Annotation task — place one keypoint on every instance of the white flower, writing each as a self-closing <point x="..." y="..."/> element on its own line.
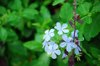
<point x="77" y="49"/>
<point x="48" y="34"/>
<point x="68" y="43"/>
<point x="61" y="28"/>
<point x="76" y="33"/>
<point x="53" y="50"/>
<point x="45" y="43"/>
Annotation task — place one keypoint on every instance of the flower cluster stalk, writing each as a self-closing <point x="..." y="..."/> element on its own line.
<point x="71" y="61"/>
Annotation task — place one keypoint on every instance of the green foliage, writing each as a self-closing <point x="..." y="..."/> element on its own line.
<point x="16" y="48"/>
<point x="29" y="13"/>
<point x="3" y="10"/>
<point x="84" y="8"/>
<point x="57" y="2"/>
<point x="22" y="25"/>
<point x="87" y="19"/>
<point x="66" y="12"/>
<point x="32" y="45"/>
<point x="42" y="60"/>
<point x="3" y="34"/>
<point x="15" y="5"/>
<point x="91" y="30"/>
<point x="96" y="7"/>
<point x="45" y="14"/>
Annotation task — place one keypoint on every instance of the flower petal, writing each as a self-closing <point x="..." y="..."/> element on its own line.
<point x="44" y="36"/>
<point x="65" y="38"/>
<point x="76" y="51"/>
<point x="50" y="47"/>
<point x="58" y="52"/>
<point x="52" y="30"/>
<point x="73" y="45"/>
<point x="60" y="32"/>
<point x="65" y="30"/>
<point x="44" y="43"/>
<point x="47" y="38"/>
<point x="76" y="33"/>
<point x="58" y="26"/>
<point x="51" y="43"/>
<point x="68" y="48"/>
<point x="78" y="48"/>
<point x="47" y="50"/>
<point x="63" y="44"/>
<point x="64" y="26"/>
<point x="55" y="46"/>
<point x="47" y="31"/>
<point x="51" y="34"/>
<point x="54" y="56"/>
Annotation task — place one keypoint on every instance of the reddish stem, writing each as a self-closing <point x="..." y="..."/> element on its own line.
<point x="71" y="58"/>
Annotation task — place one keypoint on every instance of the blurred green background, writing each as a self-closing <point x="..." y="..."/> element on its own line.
<point x="23" y="22"/>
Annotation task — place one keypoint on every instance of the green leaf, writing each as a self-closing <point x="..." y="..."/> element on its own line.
<point x="25" y="2"/>
<point x="29" y="13"/>
<point x="15" y="5"/>
<point x="80" y="1"/>
<point x="42" y="61"/>
<point x="16" y="48"/>
<point x="91" y="30"/>
<point x="95" y="52"/>
<point x="19" y="61"/>
<point x="66" y="12"/>
<point x="81" y="31"/>
<point x="85" y="51"/>
<point x="26" y="33"/>
<point x="96" y="7"/>
<point x="82" y="63"/>
<point x="45" y="14"/>
<point x="80" y="37"/>
<point x="33" y="45"/>
<point x="46" y="2"/>
<point x="33" y="5"/>
<point x="2" y="10"/>
<point x="87" y="19"/>
<point x="3" y="34"/>
<point x="2" y="50"/>
<point x="12" y="36"/>
<point x="15" y="20"/>
<point x="62" y="62"/>
<point x="39" y="38"/>
<point x="57" y="2"/>
<point x="91" y="63"/>
<point x="83" y="9"/>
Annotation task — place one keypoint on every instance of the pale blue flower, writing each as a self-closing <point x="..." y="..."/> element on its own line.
<point x="61" y="28"/>
<point x="68" y="43"/>
<point x="45" y="43"/>
<point x="77" y="49"/>
<point x="48" y="34"/>
<point x="52" y="49"/>
<point x="76" y="33"/>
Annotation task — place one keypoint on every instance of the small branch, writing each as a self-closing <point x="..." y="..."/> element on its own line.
<point x="71" y="58"/>
<point x="75" y="16"/>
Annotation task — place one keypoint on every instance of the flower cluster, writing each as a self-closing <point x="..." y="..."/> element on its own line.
<point x="68" y="42"/>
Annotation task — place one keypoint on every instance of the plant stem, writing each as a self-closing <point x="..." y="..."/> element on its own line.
<point x="71" y="58"/>
<point x="75" y="17"/>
